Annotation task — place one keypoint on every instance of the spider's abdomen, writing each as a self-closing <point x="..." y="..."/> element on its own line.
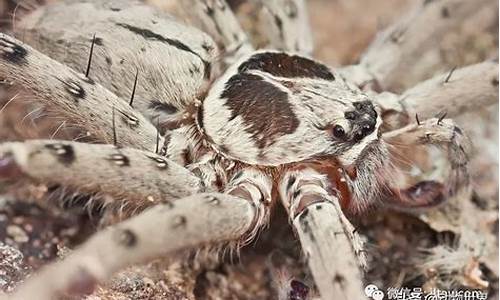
<point x="259" y="112"/>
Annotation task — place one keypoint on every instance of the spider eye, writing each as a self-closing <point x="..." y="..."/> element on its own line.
<point x="338" y="132"/>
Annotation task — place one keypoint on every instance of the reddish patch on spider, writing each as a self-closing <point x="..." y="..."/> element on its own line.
<point x="9" y="169"/>
<point x="332" y="168"/>
<point x="82" y="284"/>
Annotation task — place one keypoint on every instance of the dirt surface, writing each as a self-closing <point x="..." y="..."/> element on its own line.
<point x="403" y="249"/>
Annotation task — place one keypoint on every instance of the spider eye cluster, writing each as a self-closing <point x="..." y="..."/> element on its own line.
<point x="338" y="132"/>
<point x="362" y="122"/>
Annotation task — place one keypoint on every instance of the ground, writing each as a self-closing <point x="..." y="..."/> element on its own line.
<point x="33" y="232"/>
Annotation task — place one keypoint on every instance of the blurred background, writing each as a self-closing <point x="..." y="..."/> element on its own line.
<point x="453" y="247"/>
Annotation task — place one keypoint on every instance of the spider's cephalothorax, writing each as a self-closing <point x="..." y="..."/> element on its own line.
<point x="276" y="111"/>
<point x="275" y="108"/>
<point x="274" y="127"/>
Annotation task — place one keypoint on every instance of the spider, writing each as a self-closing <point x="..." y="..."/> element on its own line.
<point x="215" y="134"/>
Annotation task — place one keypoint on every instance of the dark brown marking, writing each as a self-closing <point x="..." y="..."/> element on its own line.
<point x="279" y="24"/>
<point x="290" y="183"/>
<point x="160" y="162"/>
<point x="213" y="200"/>
<point x="304" y="213"/>
<point x="339" y="279"/>
<point x="127" y="238"/>
<point x="12" y="52"/>
<point x="65" y="153"/>
<point x="74" y="88"/>
<point x="237" y="175"/>
<point x="494" y="81"/>
<point x="108" y="60"/>
<point x="128" y="119"/>
<point x="179" y="221"/>
<point x="150" y="35"/>
<point x="120" y="160"/>
<point x="296" y="193"/>
<point x="445" y="12"/>
<point x="219" y="184"/>
<point x="285" y="65"/>
<point x="207" y="47"/>
<point x="293" y="10"/>
<point x="98" y="41"/>
<point x="163" y="107"/>
<point x="255" y="100"/>
<point x="199" y="117"/>
<point x="89" y="80"/>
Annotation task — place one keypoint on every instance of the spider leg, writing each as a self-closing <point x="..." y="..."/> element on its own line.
<point x="219" y="21"/>
<point x="192" y="222"/>
<point x="85" y="103"/>
<point x="423" y="42"/>
<point x="440" y="132"/>
<point x="288" y="27"/>
<point x="331" y="246"/>
<point x="195" y="221"/>
<point x="142" y="177"/>
<point x="153" y="61"/>
<point x="455" y="92"/>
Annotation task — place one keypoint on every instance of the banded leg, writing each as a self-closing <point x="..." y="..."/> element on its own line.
<point x="332" y="248"/>
<point x="85" y="104"/>
<point x="218" y="19"/>
<point x="123" y="173"/>
<point x="288" y="25"/>
<point x="255" y="185"/>
<point x="192" y="222"/>
<point x="440" y="132"/>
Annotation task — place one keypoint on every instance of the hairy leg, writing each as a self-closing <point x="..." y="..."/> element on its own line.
<point x="139" y="177"/>
<point x="173" y="62"/>
<point x="219" y="21"/>
<point x="192" y="222"/>
<point x="419" y="44"/>
<point x="332" y="248"/>
<point x="208" y="219"/>
<point x="455" y="92"/>
<point x="440" y="132"/>
<point x="85" y="104"/>
<point x="288" y="25"/>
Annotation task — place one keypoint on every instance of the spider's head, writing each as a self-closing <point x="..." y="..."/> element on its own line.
<point x="352" y="130"/>
<point x="274" y="108"/>
<point x="335" y="119"/>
